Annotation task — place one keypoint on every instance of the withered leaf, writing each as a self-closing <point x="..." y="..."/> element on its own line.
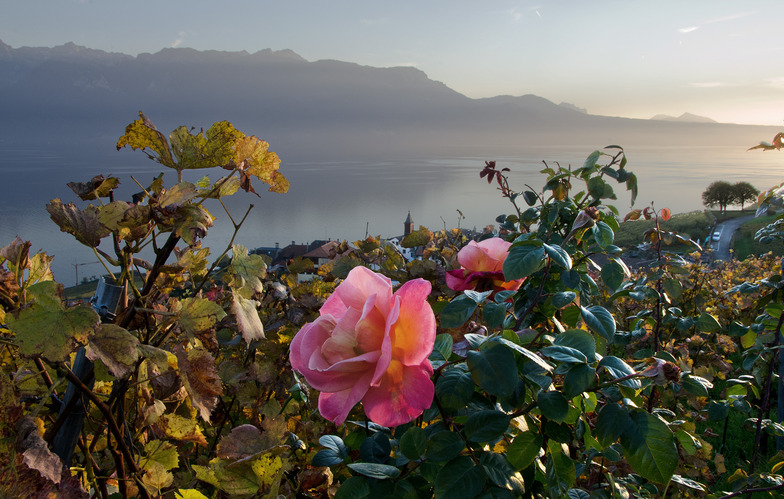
<point x="115" y="346"/>
<point x="182" y="429"/>
<point x="84" y="225"/>
<point x="248" y="319"/>
<point x="35" y="452"/>
<point x="200" y="377"/>
<point x="243" y="441"/>
<point x="97" y="187"/>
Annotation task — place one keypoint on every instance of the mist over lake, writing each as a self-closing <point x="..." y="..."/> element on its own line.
<point x="349" y="198"/>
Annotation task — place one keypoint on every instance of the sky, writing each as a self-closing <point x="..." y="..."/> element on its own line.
<point x="715" y="58"/>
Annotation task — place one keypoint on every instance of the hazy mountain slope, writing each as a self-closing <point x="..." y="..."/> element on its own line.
<point x="73" y="95"/>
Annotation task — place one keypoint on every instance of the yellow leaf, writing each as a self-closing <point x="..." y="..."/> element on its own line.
<point x="182" y="429"/>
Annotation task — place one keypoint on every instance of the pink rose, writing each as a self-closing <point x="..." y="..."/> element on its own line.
<point x="371" y="345"/>
<point x="483" y="264"/>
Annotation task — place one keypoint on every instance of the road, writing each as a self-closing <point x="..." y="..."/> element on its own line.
<point x="721" y="248"/>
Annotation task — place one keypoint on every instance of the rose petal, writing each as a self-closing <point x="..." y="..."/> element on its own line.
<point x="403" y="394"/>
<point x="354" y="291"/>
<point x="336" y="406"/>
<point x="414" y="332"/>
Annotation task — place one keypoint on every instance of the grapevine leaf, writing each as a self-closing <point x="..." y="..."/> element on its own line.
<point x="182" y="429"/>
<point x="248" y="320"/>
<point x="243" y="441"/>
<point x="115" y="346"/>
<point x="417" y="238"/>
<point x="84" y="225"/>
<point x="142" y="134"/>
<point x="97" y="187"/>
<point x="200" y="378"/>
<point x="47" y="328"/>
<point x="246" y="271"/>
<point x="199" y="315"/>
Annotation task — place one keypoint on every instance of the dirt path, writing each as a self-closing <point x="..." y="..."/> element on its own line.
<point x="721" y="248"/>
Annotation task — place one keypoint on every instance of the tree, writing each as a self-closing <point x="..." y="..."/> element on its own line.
<point x="719" y="193"/>
<point x="743" y="192"/>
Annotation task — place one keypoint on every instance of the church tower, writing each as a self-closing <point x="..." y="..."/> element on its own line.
<point x="408" y="225"/>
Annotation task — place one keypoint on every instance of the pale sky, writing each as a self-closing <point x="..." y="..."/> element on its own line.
<point x="716" y="58"/>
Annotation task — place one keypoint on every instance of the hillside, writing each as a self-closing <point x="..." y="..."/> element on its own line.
<point x="73" y="95"/>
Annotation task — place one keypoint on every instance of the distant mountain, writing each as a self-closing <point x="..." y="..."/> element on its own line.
<point x="567" y="105"/>
<point x="71" y="95"/>
<point x="684" y="118"/>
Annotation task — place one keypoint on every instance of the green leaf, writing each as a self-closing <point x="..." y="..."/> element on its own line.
<point x="578" y="379"/>
<point x="443" y="345"/>
<point x="454" y="389"/>
<point x="494" y="314"/>
<point x="335" y="443"/>
<point x="603" y="234"/>
<point x="560" y="471"/>
<point x="591" y="160"/>
<point x="564" y="354"/>
<point x="419" y="237"/>
<point x="355" y="487"/>
<point x="611" y="422"/>
<point x="559" y="256"/>
<point x="494" y="370"/>
<point x="459" y="479"/>
<point x="501" y="473"/>
<point x="696" y="385"/>
<point x="486" y="426"/>
<point x="142" y="134"/>
<point x="613" y="275"/>
<point x="525" y="352"/>
<point x="529" y="197"/>
<point x="619" y="369"/>
<point x="47" y="328"/>
<point x="375" y="470"/>
<point x="689" y="483"/>
<point x="600" y="321"/>
<point x="649" y="447"/>
<point x="718" y="411"/>
<point x="443" y="446"/>
<point x="673" y="287"/>
<point x="524" y="449"/>
<point x="522" y="261"/>
<point x="578" y="339"/>
<point x="562" y="299"/>
<point x="413" y="443"/>
<point x="457" y="312"/>
<point x="326" y="457"/>
<point x="708" y="323"/>
<point x="553" y="405"/>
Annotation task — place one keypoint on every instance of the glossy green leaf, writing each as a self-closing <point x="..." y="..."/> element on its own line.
<point x="355" y="487"/>
<point x="562" y="299"/>
<point x="603" y="234"/>
<point x="613" y="275"/>
<point x="708" y="323"/>
<point x="524" y="449"/>
<point x="457" y="312"/>
<point x="600" y="321"/>
<point x="413" y="443"/>
<point x="578" y="379"/>
<point x="619" y="369"/>
<point x="454" y="388"/>
<point x="522" y="261"/>
<point x="611" y="422"/>
<point x="649" y="447"/>
<point x="501" y="473"/>
<point x="486" y="426"/>
<point x="375" y="470"/>
<point x="443" y="345"/>
<point x="444" y="446"/>
<point x="578" y="339"/>
<point x="559" y="256"/>
<point x="459" y="479"/>
<point x="494" y="370"/>
<point x="553" y="405"/>
<point x="561" y="353"/>
<point x="560" y="471"/>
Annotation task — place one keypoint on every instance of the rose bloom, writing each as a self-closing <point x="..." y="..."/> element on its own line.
<point x="483" y="264"/>
<point x="371" y="345"/>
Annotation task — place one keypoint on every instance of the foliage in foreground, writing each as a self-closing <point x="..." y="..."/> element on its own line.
<point x="581" y="378"/>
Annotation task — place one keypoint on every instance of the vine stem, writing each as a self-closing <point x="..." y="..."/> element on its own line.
<point x="113" y="428"/>
<point x="765" y="397"/>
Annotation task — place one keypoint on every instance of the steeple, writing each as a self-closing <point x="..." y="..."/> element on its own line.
<point x="408" y="225"/>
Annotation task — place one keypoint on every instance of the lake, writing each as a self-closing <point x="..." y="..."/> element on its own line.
<point x="349" y="198"/>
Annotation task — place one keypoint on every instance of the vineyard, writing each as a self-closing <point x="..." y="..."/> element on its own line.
<point x="531" y="360"/>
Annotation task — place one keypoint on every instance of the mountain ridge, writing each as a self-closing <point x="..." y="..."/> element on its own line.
<point x="72" y="94"/>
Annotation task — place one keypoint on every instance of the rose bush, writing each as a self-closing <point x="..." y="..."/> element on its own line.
<point x="482" y="270"/>
<point x="371" y="345"/>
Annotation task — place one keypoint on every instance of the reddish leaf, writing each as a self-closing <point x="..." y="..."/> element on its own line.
<point x="243" y="441"/>
<point x="201" y="380"/>
<point x="633" y="215"/>
<point x="665" y="214"/>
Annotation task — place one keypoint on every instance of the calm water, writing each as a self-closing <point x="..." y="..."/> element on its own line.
<point x="347" y="199"/>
